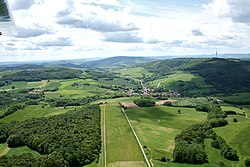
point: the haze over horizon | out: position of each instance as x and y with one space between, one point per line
75 29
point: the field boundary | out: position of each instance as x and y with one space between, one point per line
104 137
137 139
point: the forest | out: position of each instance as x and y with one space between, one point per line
42 74
71 139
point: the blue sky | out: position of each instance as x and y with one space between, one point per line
49 29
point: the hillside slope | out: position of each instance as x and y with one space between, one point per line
226 75
121 61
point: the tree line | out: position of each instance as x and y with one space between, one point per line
189 144
41 74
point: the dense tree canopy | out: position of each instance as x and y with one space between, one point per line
71 139
42 74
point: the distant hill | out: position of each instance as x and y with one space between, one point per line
225 75
20 67
120 61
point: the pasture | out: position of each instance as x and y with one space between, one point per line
136 72
122 148
190 102
34 111
67 89
158 126
238 98
177 76
5 150
237 135
116 82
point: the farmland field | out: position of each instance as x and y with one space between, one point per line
67 90
237 135
239 98
190 102
5 150
178 76
137 72
158 126
33 111
116 81
122 147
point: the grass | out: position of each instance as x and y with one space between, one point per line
239 98
192 102
237 135
67 89
121 144
34 111
116 100
21 150
35 84
17 85
178 76
5 150
231 108
136 72
117 82
52 85
158 126
23 84
214 156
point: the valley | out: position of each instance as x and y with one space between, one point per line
71 114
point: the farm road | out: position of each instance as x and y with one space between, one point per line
137 139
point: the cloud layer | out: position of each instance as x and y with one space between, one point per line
82 28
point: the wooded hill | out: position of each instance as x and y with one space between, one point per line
225 75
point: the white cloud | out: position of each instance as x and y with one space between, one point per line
74 28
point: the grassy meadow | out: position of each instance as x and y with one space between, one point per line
34 111
237 135
238 98
191 102
158 126
136 72
122 148
177 76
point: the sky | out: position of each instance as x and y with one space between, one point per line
75 29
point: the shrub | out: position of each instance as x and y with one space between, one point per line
247 161
144 102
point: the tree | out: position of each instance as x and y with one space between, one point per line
247 161
235 120
13 87
179 111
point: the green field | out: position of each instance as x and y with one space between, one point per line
34 111
5 150
158 126
178 76
237 135
214 156
239 98
191 102
117 82
52 85
23 84
17 85
122 147
66 89
136 72
231 108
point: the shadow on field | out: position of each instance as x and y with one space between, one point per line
151 113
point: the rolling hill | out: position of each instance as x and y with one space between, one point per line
120 61
225 75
